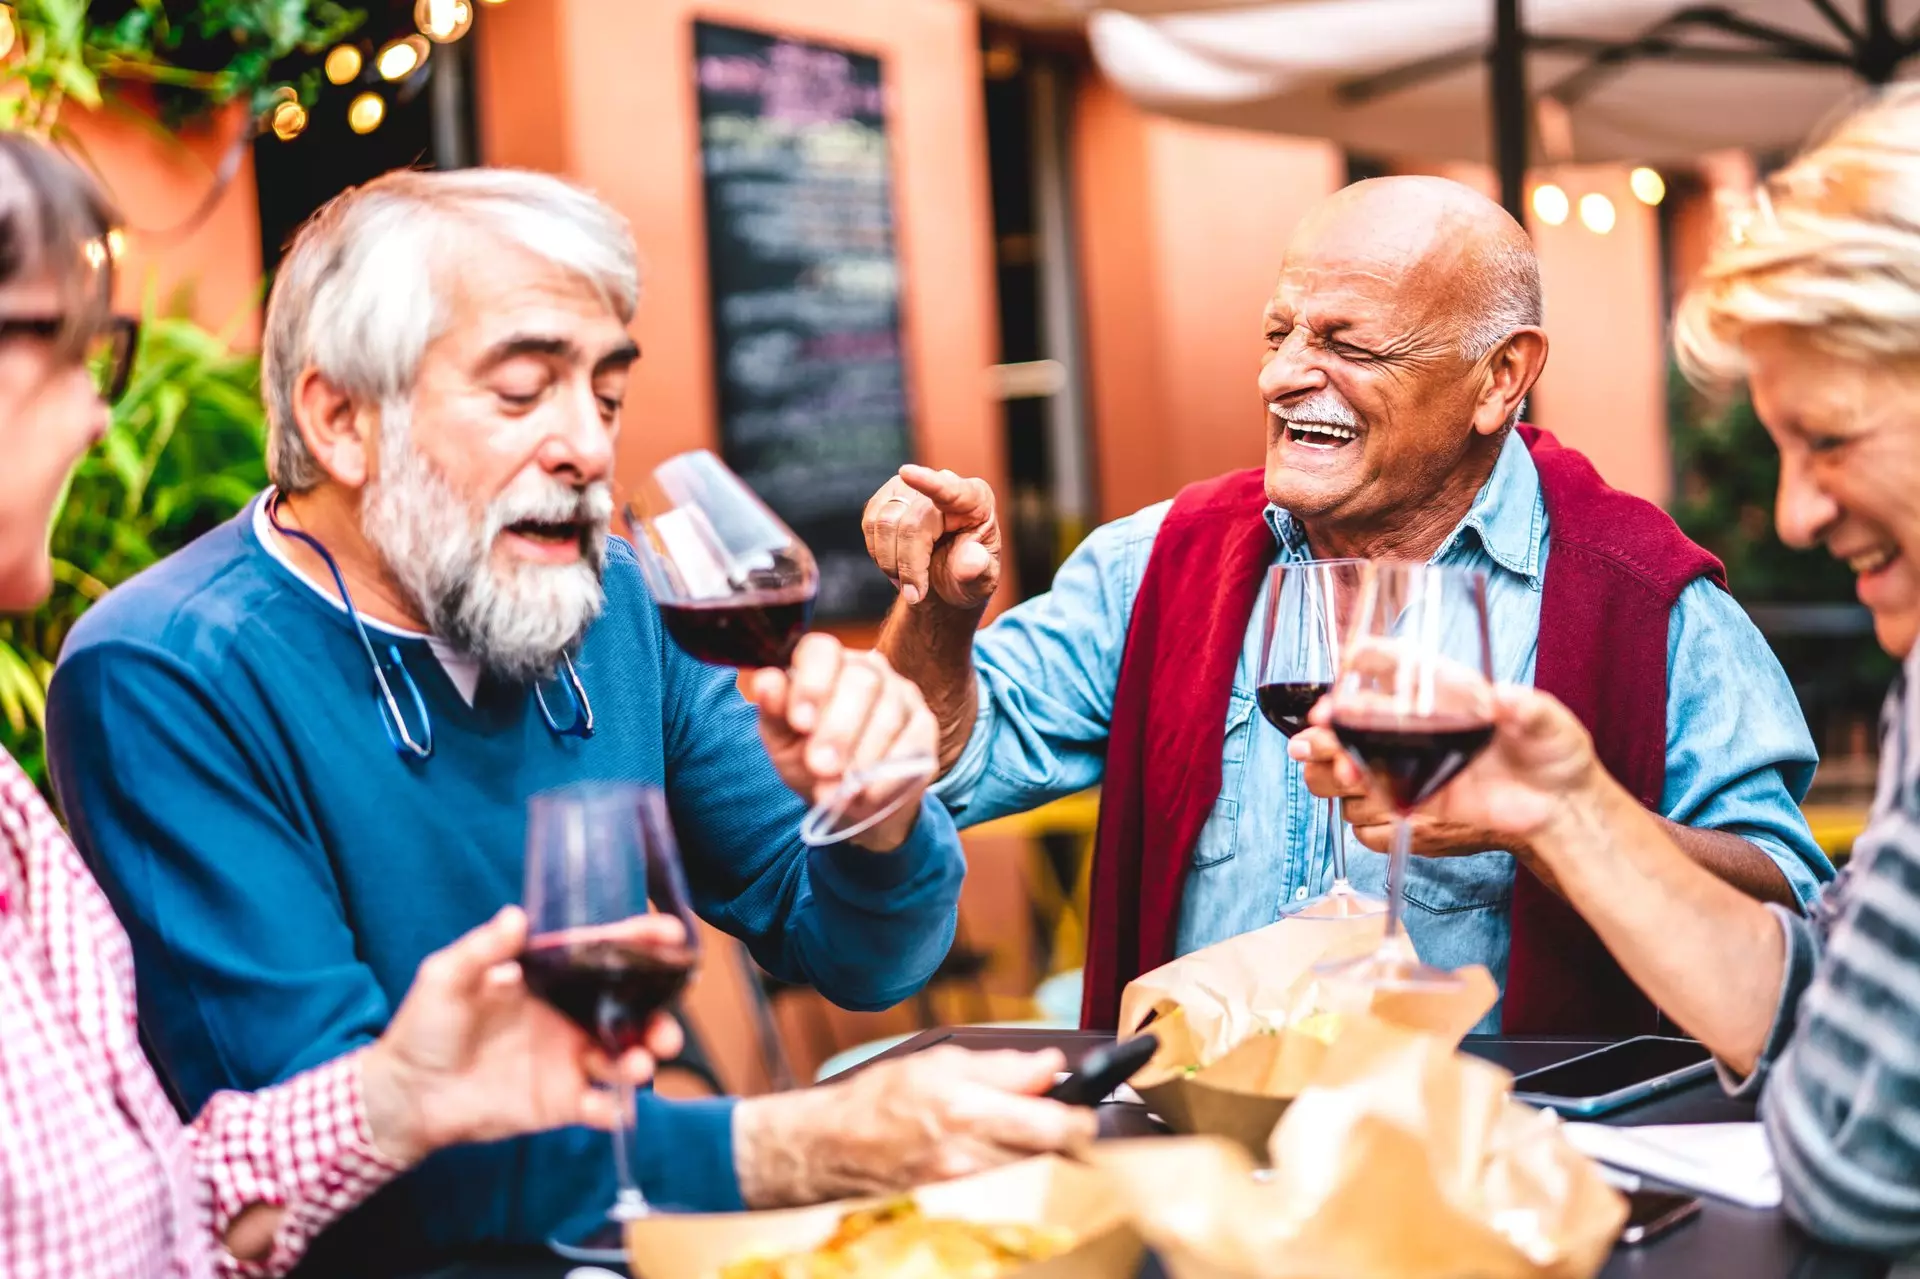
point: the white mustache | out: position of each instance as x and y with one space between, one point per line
1322 407
550 501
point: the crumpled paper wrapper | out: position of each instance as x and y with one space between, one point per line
1401 1160
1245 1024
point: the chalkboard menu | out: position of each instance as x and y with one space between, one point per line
805 290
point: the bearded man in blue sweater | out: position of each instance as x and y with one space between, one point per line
298 753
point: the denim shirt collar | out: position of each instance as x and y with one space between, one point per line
1508 518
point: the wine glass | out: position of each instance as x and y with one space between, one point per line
736 587
1413 705
599 857
1309 605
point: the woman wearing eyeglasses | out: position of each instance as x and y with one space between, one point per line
1814 301
97 1175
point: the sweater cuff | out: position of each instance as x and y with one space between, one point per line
874 881
1802 955
685 1153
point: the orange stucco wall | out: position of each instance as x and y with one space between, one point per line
1183 227
159 182
602 91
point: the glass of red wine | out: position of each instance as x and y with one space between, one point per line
1413 705
603 869
736 587
1309 606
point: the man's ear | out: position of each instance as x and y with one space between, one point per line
337 429
1514 367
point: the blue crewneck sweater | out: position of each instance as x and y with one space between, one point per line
282 871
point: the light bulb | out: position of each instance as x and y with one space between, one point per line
289 120
343 63
1550 204
401 58
443 21
116 243
8 31
1648 186
1597 212
365 112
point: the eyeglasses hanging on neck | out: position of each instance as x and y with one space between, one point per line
389 669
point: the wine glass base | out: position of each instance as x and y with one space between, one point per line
1335 904
604 1245
1392 968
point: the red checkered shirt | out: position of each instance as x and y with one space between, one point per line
97 1174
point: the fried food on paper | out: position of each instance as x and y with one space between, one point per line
895 1240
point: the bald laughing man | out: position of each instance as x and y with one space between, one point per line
1401 342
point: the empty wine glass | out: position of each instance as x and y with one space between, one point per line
736 587
599 859
1413 705
1309 605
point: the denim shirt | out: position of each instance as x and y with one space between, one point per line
1739 757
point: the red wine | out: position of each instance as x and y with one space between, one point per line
1286 705
1413 757
607 988
749 632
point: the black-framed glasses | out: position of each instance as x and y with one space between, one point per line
109 353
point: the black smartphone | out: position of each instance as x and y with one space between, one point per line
1615 1076
1104 1070
1652 1213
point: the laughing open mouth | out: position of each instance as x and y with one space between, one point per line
1320 435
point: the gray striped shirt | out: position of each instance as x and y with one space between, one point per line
1839 1078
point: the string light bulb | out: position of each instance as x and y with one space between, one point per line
365 112
1597 212
1648 186
443 21
116 243
401 58
343 64
1550 204
289 121
9 31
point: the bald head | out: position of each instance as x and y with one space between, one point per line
1402 340
1457 254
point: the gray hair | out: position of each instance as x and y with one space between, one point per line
1503 294
363 291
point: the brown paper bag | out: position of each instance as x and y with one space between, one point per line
1401 1160
1044 1191
1245 1023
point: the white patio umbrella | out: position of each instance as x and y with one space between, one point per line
1639 80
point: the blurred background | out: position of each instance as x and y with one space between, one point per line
1029 240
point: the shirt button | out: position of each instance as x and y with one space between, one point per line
1300 893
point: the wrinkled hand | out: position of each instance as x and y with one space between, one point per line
835 711
1540 755
932 1116
928 528
472 1055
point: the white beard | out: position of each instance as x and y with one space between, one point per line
517 622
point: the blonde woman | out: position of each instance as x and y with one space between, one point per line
1814 300
97 1174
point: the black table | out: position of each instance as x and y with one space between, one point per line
1724 1242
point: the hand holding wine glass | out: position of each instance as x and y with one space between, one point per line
471 1055
597 857
1414 705
735 587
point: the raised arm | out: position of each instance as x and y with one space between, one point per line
937 536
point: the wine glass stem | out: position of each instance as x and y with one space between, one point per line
1397 876
1337 845
629 1203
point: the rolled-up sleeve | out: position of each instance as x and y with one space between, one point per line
1739 757
1047 672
